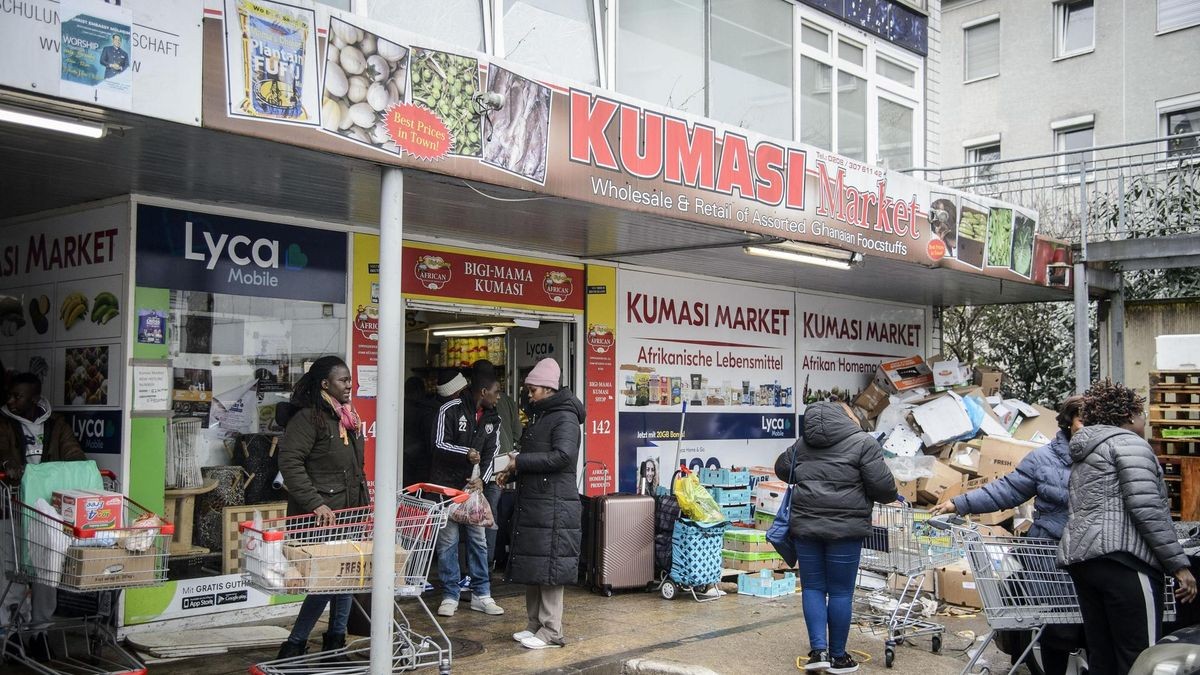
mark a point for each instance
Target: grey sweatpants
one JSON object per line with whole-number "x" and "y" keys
{"x": 544, "y": 609}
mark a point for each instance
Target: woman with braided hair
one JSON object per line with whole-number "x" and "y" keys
{"x": 1119, "y": 539}
{"x": 321, "y": 459}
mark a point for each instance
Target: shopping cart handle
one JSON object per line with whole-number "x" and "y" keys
{"x": 104, "y": 473}
{"x": 456, "y": 496}
{"x": 946, "y": 522}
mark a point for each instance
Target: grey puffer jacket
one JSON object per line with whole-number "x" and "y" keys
{"x": 1041, "y": 476}
{"x": 839, "y": 475}
{"x": 1118, "y": 502}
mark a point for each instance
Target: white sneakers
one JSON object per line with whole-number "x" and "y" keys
{"x": 486, "y": 605}
{"x": 522, "y": 636}
{"x": 448, "y": 607}
{"x": 530, "y": 640}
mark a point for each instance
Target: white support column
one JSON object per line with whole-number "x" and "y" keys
{"x": 1083, "y": 344}
{"x": 389, "y": 422}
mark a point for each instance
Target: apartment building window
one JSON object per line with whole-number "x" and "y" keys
{"x": 728, "y": 59}
{"x": 895, "y": 134}
{"x": 984, "y": 157}
{"x": 1176, "y": 14}
{"x": 1074, "y": 28}
{"x": 981, "y": 49}
{"x": 1074, "y": 139}
{"x": 554, "y": 36}
{"x": 1179, "y": 118}
{"x": 456, "y": 22}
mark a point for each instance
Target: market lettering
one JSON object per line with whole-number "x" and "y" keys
{"x": 653, "y": 309}
{"x": 651, "y": 144}
{"x": 826, "y": 327}
{"x": 754, "y": 319}
{"x": 908, "y": 335}
{"x": 867, "y": 210}
{"x": 59, "y": 253}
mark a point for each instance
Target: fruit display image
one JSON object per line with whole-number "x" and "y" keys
{"x": 1022, "y": 245}
{"x": 72, "y": 309}
{"x": 516, "y": 136}
{"x": 365, "y": 75}
{"x": 943, "y": 222}
{"x": 1000, "y": 235}
{"x": 446, "y": 84}
{"x": 85, "y": 375}
{"x": 105, "y": 308}
{"x": 12, "y": 316}
{"x": 972, "y": 230}
{"x": 39, "y": 313}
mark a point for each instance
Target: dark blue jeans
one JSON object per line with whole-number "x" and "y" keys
{"x": 828, "y": 569}
{"x": 310, "y": 612}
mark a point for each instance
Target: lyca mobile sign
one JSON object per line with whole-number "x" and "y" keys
{"x": 201, "y": 252}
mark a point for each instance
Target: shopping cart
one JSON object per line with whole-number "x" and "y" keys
{"x": 695, "y": 560}
{"x": 902, "y": 543}
{"x": 50, "y": 555}
{"x": 295, "y": 555}
{"x": 1020, "y": 584}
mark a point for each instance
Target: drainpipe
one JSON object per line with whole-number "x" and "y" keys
{"x": 1083, "y": 347}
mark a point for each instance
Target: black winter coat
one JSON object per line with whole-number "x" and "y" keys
{"x": 455, "y": 433}
{"x": 839, "y": 475}
{"x": 318, "y": 468}
{"x": 546, "y": 526}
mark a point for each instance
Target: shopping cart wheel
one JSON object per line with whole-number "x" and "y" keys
{"x": 937, "y": 644}
{"x": 444, "y": 668}
{"x": 889, "y": 656}
{"x": 669, "y": 590}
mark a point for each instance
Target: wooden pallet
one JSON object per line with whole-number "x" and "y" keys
{"x": 1176, "y": 446}
{"x": 1183, "y": 485}
{"x": 1178, "y": 414}
{"x": 1175, "y": 379}
{"x": 1174, "y": 397}
{"x": 230, "y": 517}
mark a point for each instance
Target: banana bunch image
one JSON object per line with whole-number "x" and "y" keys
{"x": 105, "y": 308}
{"x": 72, "y": 310}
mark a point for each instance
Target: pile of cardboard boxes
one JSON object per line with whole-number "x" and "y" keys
{"x": 955, "y": 415}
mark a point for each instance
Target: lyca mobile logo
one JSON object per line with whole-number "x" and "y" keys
{"x": 776, "y": 425}
{"x": 241, "y": 251}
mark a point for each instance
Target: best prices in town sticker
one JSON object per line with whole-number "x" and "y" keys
{"x": 418, "y": 131}
{"x": 936, "y": 249}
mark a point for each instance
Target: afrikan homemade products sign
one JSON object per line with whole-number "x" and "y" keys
{"x": 192, "y": 251}
{"x": 600, "y": 395}
{"x": 604, "y": 148}
{"x": 446, "y": 273}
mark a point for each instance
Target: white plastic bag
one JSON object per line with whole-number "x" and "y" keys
{"x": 907, "y": 469}
{"x": 49, "y": 544}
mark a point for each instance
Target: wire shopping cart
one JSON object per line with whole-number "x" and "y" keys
{"x": 295, "y": 555}
{"x": 1020, "y": 584}
{"x": 902, "y": 543}
{"x": 50, "y": 556}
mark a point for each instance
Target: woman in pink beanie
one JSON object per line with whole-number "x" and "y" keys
{"x": 546, "y": 529}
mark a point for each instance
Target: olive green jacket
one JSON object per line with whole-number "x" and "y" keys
{"x": 318, "y": 468}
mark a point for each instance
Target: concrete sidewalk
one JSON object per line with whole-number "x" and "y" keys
{"x": 642, "y": 633}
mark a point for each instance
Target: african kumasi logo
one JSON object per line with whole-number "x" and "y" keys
{"x": 558, "y": 286}
{"x": 600, "y": 338}
{"x": 366, "y": 322}
{"x": 433, "y": 272}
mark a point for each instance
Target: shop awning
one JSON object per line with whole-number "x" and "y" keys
{"x": 47, "y": 171}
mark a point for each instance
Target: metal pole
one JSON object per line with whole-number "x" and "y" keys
{"x": 1083, "y": 347}
{"x": 389, "y": 422}
{"x": 1116, "y": 340}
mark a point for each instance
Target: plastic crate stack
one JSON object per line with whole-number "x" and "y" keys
{"x": 731, "y": 490}
{"x": 749, "y": 551}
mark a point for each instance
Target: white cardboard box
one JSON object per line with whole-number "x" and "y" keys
{"x": 1177, "y": 352}
{"x": 942, "y": 419}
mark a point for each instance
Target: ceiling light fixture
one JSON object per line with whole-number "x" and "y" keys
{"x": 462, "y": 332}
{"x": 809, "y": 254}
{"x": 41, "y": 120}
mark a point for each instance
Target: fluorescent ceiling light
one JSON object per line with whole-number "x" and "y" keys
{"x": 463, "y": 332}
{"x": 68, "y": 125}
{"x": 806, "y": 253}
{"x": 527, "y": 323}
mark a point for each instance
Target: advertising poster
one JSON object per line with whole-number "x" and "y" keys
{"x": 840, "y": 341}
{"x": 364, "y": 340}
{"x": 137, "y": 55}
{"x": 95, "y": 53}
{"x": 727, "y": 350}
{"x": 271, "y": 62}
{"x": 365, "y": 75}
{"x": 601, "y": 374}
{"x": 195, "y": 597}
{"x": 445, "y": 273}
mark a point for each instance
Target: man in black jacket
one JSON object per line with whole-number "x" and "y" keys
{"x": 466, "y": 435}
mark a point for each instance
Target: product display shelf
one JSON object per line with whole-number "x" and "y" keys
{"x": 1174, "y": 426}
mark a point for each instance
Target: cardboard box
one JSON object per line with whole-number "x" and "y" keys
{"x": 966, "y": 486}
{"x": 751, "y": 562}
{"x": 999, "y": 456}
{"x": 904, "y": 374}
{"x": 902, "y": 441}
{"x": 337, "y": 565}
{"x": 1177, "y": 352}
{"x": 873, "y": 400}
{"x": 747, "y": 541}
{"x": 995, "y": 518}
{"x": 86, "y": 567}
{"x": 963, "y": 457}
{"x": 908, "y": 490}
{"x": 768, "y": 496}
{"x": 927, "y": 580}
{"x": 942, "y": 419}
{"x": 1035, "y": 428}
{"x": 90, "y": 509}
{"x": 989, "y": 379}
{"x": 950, "y": 374}
{"x": 956, "y": 585}
{"x": 932, "y": 488}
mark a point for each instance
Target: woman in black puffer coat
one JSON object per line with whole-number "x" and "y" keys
{"x": 546, "y": 532}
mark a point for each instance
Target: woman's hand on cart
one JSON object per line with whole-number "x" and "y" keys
{"x": 473, "y": 456}
{"x": 324, "y": 515}
{"x": 1185, "y": 585}
{"x": 946, "y": 507}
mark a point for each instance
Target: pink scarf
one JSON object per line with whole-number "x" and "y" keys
{"x": 347, "y": 418}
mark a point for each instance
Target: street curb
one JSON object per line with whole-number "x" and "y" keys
{"x": 656, "y": 667}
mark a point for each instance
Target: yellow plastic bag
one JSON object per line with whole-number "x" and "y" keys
{"x": 695, "y": 502}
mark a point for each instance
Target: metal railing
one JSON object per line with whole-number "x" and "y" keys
{"x": 1128, "y": 190}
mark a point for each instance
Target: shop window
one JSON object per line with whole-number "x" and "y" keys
{"x": 814, "y": 37}
{"x": 1074, "y": 28}
{"x": 1176, "y": 14}
{"x": 981, "y": 49}
{"x": 1076, "y": 144}
{"x": 1180, "y": 121}
{"x": 816, "y": 103}
{"x": 895, "y": 135}
{"x": 851, "y": 52}
{"x": 554, "y": 36}
{"x": 660, "y": 52}
{"x": 852, "y": 116}
{"x": 902, "y": 75}
{"x": 457, "y": 22}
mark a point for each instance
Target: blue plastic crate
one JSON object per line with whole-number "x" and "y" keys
{"x": 767, "y": 584}
{"x": 737, "y": 514}
{"x": 730, "y": 496}
{"x": 725, "y": 477}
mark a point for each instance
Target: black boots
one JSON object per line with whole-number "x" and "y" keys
{"x": 329, "y": 642}
{"x": 290, "y": 649}
{"x": 332, "y": 641}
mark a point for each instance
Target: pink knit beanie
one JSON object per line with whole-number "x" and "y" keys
{"x": 545, "y": 374}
